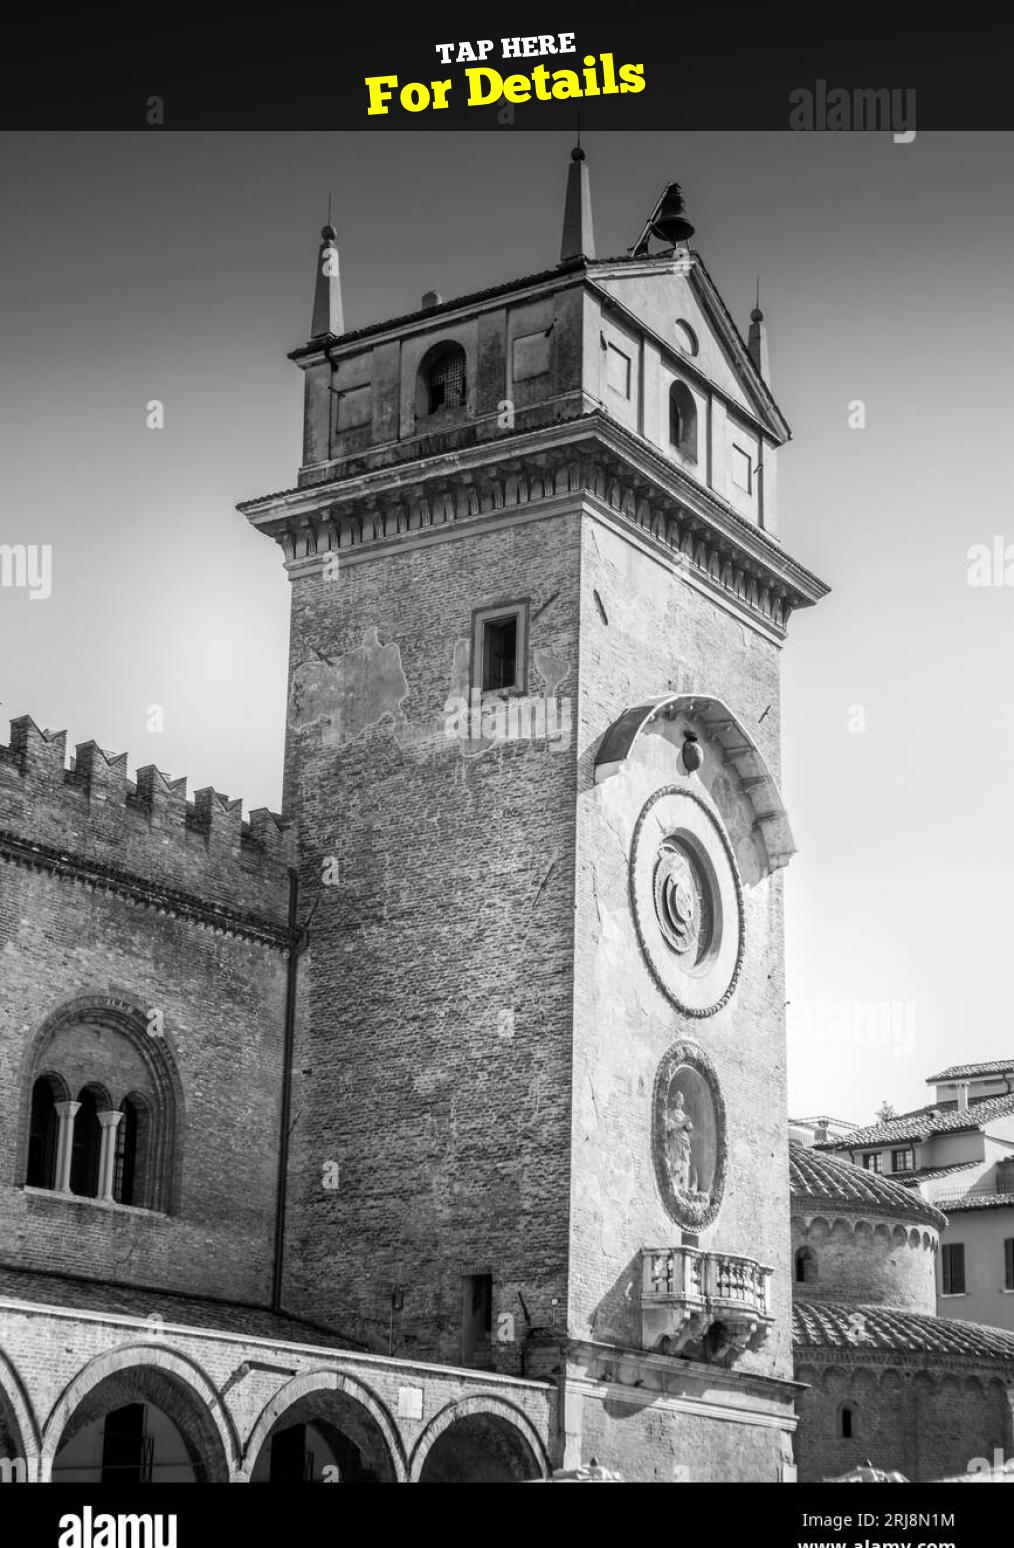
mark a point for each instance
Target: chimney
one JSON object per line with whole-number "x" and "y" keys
{"x": 961, "y": 1092}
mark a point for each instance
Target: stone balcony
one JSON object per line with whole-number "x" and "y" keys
{"x": 703, "y": 1305}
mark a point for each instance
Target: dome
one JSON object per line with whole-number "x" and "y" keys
{"x": 818, "y": 1178}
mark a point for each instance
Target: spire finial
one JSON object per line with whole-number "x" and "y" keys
{"x": 328, "y": 317}
{"x": 578, "y": 234}
{"x": 757, "y": 342}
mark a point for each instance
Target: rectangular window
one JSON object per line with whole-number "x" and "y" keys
{"x": 902, "y": 1160}
{"x": 874, "y": 1161}
{"x": 499, "y": 654}
{"x": 1008, "y": 1263}
{"x": 742, "y": 469}
{"x": 952, "y": 1266}
{"x": 499, "y": 648}
{"x": 477, "y": 1319}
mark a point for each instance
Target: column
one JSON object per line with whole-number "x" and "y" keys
{"x": 66, "y": 1112}
{"x": 107, "y": 1155}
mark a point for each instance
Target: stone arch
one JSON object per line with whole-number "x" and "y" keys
{"x": 900, "y": 1235}
{"x": 913, "y": 1238}
{"x": 883, "y": 1232}
{"x": 19, "y": 1428}
{"x": 820, "y": 1229}
{"x": 863, "y": 1234}
{"x": 333, "y": 1397}
{"x": 841, "y": 1231}
{"x": 170, "y": 1381}
{"x": 126, "y": 1015}
{"x": 489, "y": 1416}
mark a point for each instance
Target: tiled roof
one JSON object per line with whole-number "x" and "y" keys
{"x": 924, "y": 1121}
{"x": 927, "y": 1173}
{"x": 184, "y": 1310}
{"x": 979, "y": 1201}
{"x": 827, "y": 1178}
{"x": 842, "y": 1325}
{"x": 966, "y": 1071}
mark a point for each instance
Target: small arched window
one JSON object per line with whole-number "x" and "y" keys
{"x": 443, "y": 382}
{"x": 44, "y": 1126}
{"x": 87, "y": 1146}
{"x": 806, "y": 1266}
{"x": 133, "y": 1136}
{"x": 847, "y": 1423}
{"x": 683, "y": 420}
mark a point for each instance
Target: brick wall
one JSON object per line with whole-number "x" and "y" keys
{"x": 869, "y": 1261}
{"x": 436, "y": 1071}
{"x": 925, "y": 1423}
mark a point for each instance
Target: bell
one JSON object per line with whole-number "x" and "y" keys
{"x": 671, "y": 223}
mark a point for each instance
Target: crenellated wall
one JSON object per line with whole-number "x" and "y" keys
{"x": 144, "y": 951}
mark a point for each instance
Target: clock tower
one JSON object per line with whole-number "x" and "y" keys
{"x": 538, "y": 604}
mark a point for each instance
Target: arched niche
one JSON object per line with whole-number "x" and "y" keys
{"x": 689, "y": 1144}
{"x": 732, "y": 772}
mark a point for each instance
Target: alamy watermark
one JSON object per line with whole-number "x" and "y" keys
{"x": 862, "y": 108}
{"x": 522, "y": 717}
{"x": 853, "y": 1024}
{"x": 27, "y": 567}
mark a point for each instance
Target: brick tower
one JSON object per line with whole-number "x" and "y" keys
{"x": 538, "y": 1105}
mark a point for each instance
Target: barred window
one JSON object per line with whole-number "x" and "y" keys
{"x": 445, "y": 379}
{"x": 1008, "y": 1263}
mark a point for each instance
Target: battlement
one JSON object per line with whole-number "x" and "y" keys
{"x": 90, "y": 811}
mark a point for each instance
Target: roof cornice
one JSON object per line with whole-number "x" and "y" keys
{"x": 589, "y": 452}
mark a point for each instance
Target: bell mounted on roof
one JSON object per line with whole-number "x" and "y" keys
{"x": 668, "y": 221}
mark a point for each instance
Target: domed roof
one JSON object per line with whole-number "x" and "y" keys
{"x": 826, "y": 1179}
{"x": 841, "y": 1325}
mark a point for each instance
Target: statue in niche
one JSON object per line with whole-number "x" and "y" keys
{"x": 682, "y": 1167}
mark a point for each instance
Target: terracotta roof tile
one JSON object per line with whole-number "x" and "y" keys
{"x": 821, "y": 1177}
{"x": 925, "y": 1121}
{"x": 840, "y": 1325}
{"x": 965, "y": 1071}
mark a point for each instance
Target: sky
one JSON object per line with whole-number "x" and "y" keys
{"x": 180, "y": 268}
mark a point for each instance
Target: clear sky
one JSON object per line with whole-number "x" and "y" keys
{"x": 180, "y": 267}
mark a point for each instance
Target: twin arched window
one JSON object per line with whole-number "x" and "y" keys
{"x": 683, "y": 420}
{"x": 89, "y": 1148}
{"x": 442, "y": 380}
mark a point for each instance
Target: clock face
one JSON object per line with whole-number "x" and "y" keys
{"x": 687, "y": 900}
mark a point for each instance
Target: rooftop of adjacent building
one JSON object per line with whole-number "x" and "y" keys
{"x": 972, "y": 1071}
{"x": 935, "y": 1118}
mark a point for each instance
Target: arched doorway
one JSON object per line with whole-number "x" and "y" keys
{"x": 322, "y": 1428}
{"x": 138, "y": 1423}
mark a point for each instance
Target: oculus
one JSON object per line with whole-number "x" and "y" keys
{"x": 687, "y": 900}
